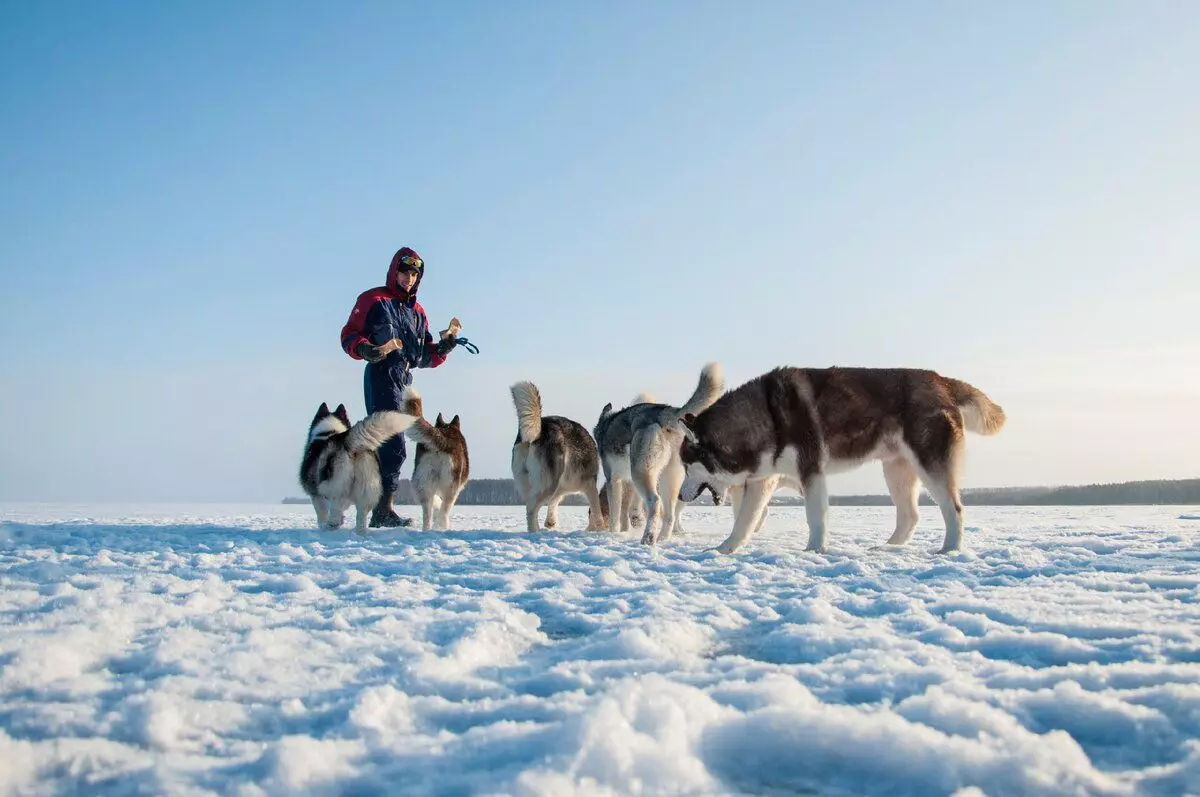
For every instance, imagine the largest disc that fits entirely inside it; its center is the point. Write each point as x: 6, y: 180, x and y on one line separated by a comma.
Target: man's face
x: 407, y: 278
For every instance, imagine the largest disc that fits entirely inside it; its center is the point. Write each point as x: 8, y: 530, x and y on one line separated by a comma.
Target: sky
x: 192, y: 195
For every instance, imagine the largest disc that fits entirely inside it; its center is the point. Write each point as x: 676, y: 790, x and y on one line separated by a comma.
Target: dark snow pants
x: 382, y: 388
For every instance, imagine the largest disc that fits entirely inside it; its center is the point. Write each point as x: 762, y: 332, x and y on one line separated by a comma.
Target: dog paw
x: 820, y: 549
x: 726, y: 548
x: 648, y: 539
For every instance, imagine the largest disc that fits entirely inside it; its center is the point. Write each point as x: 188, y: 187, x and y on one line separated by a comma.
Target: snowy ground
x: 234, y: 650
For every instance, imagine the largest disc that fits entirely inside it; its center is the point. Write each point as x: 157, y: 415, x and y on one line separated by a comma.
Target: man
x: 390, y: 331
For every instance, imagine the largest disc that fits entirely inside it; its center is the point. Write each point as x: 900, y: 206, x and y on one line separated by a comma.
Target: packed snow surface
x: 236, y: 650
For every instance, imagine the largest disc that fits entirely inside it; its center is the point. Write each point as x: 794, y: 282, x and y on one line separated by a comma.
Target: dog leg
x: 362, y: 511
x: 644, y: 484
x: 944, y: 490
x: 447, y: 505
x: 748, y: 516
x: 672, y: 480
x: 552, y: 512
x: 535, y: 503
x: 631, y: 510
x: 645, y: 481
x: 531, y: 513
x: 595, y: 518
x: 427, y: 512
x: 905, y: 489
x: 618, y: 521
x: 441, y: 520
x: 772, y: 484
x: 735, y: 498
x: 816, y: 506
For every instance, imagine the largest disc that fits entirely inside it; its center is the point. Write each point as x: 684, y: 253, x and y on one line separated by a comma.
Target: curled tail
x: 528, y: 402
x: 376, y: 429
x: 708, y: 390
x: 422, y: 431
x: 980, y: 414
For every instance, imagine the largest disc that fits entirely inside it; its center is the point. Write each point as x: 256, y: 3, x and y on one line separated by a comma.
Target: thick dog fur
x: 340, y: 466
x: 552, y: 457
x: 632, y: 508
x: 803, y: 423
x: 640, y: 444
x: 441, y: 464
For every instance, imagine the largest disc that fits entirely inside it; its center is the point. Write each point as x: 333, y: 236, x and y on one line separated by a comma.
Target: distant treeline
x: 502, y: 492
x: 1178, y: 491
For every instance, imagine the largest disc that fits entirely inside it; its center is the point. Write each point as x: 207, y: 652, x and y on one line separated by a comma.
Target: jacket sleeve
x: 354, y: 332
x: 429, y: 357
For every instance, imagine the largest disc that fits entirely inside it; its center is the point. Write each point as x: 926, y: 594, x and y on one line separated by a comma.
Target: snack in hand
x: 452, y: 330
x: 391, y: 346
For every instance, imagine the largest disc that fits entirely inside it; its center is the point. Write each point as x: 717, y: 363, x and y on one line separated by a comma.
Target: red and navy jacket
x: 387, y: 312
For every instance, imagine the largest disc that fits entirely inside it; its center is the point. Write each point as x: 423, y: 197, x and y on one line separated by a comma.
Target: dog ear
x: 341, y: 413
x: 454, y: 422
x: 689, y: 421
x: 440, y: 422
x: 689, y: 435
x: 323, y: 409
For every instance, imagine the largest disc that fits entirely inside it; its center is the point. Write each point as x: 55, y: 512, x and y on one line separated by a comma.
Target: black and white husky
x: 340, y: 467
x: 552, y: 457
x: 441, y: 464
x: 640, y: 444
x: 793, y: 426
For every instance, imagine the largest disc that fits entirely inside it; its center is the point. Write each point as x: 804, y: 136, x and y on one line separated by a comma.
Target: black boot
x: 384, y: 515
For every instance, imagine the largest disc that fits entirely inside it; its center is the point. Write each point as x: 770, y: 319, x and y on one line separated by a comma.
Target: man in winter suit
x: 391, y: 313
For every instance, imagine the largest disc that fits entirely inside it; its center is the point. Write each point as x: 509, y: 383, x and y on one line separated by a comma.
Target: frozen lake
x: 235, y: 650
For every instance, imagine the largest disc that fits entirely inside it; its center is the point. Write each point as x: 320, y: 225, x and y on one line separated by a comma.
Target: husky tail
x: 708, y: 390
x: 981, y: 415
x: 422, y: 431
x: 376, y: 429
x: 528, y: 402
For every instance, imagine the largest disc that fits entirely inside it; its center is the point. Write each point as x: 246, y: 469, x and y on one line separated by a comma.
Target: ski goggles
x: 410, y: 263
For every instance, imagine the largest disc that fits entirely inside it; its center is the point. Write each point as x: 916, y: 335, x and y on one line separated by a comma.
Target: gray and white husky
x: 340, y: 466
x: 441, y: 463
x: 632, y: 509
x: 640, y: 444
x: 795, y: 425
x: 552, y: 458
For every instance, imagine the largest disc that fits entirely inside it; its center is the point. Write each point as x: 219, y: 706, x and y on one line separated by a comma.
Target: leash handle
x: 468, y: 345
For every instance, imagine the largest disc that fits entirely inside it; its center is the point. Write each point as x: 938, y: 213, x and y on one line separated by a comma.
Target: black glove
x: 446, y: 345
x: 370, y: 353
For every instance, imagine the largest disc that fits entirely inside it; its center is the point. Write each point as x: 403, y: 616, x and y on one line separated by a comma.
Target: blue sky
x: 608, y: 195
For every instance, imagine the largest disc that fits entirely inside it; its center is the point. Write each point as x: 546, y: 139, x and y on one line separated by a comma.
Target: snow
x: 236, y: 650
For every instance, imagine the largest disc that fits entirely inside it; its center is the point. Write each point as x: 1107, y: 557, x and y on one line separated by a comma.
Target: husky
x: 552, y: 457
x: 441, y: 464
x: 640, y: 444
x: 340, y: 466
x: 804, y: 423
x: 632, y: 509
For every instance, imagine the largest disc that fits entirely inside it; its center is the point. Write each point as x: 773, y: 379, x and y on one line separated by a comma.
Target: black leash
x: 468, y: 345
